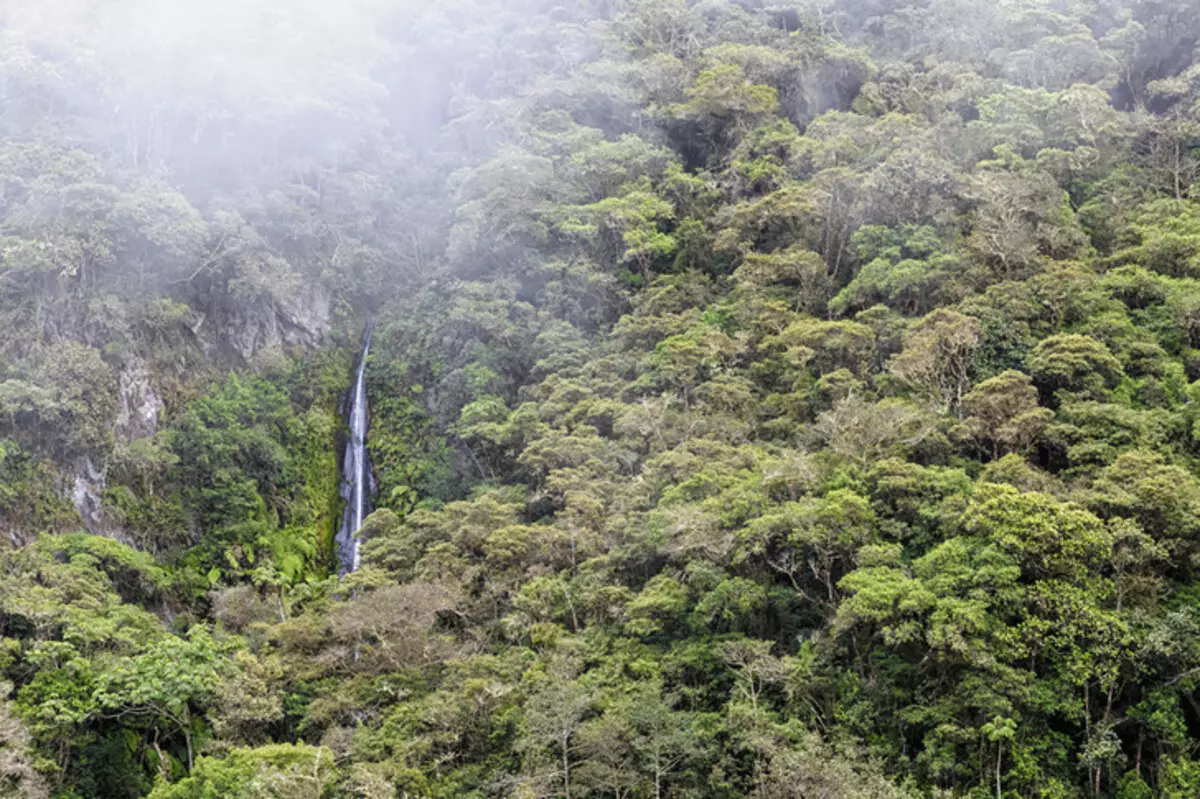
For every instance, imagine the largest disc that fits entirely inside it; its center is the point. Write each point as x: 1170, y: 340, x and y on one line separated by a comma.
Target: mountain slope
x: 774, y: 400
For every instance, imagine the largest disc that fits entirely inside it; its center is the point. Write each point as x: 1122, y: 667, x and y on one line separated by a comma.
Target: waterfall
x: 356, y: 470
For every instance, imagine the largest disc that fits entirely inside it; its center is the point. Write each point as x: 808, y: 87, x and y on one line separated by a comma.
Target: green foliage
x: 260, y: 479
x: 28, y: 501
x: 908, y: 269
x: 765, y: 400
x: 1075, y: 363
x: 62, y: 405
x: 408, y: 455
x: 278, y: 770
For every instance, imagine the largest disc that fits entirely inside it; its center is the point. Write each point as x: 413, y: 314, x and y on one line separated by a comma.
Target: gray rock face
x: 304, y: 320
x: 87, y: 491
x: 299, y: 319
x: 137, y: 415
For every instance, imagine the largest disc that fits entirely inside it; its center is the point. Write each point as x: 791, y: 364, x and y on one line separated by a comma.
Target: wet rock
x: 87, y: 492
x: 298, y: 319
x: 137, y: 413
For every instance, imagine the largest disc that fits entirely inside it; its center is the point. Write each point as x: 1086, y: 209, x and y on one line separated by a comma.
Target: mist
x: 608, y: 399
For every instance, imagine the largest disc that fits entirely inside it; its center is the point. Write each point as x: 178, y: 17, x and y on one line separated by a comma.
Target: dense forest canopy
x: 767, y: 399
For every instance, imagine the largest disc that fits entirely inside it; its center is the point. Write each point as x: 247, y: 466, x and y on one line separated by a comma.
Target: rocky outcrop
x: 140, y: 405
x: 137, y: 417
x: 87, y: 494
x: 298, y: 319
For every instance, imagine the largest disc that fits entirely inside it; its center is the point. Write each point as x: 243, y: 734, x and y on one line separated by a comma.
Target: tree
x: 1172, y: 147
x: 795, y: 274
x: 166, y: 684
x: 1020, y: 218
x: 391, y: 627
x: 554, y: 716
x: 640, y: 739
x: 1163, y: 498
x: 938, y: 356
x: 997, y: 731
x: 626, y: 227
x: 248, y: 700
x: 1004, y: 411
x: 1074, y: 363
x: 722, y: 106
x: 903, y: 267
x: 864, y: 432
x: 813, y: 538
x: 825, y: 346
x: 1049, y: 537
x: 64, y: 404
x: 18, y: 777
x: 277, y: 771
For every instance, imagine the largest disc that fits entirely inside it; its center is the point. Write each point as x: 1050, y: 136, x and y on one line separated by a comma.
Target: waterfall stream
x: 356, y: 470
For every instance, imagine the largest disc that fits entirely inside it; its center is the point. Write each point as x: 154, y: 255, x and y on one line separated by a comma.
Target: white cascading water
x: 356, y: 470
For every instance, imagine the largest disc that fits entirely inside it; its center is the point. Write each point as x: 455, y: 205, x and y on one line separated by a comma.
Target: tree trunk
x: 1178, y: 168
x: 566, y: 761
x: 187, y: 737
x: 999, y: 760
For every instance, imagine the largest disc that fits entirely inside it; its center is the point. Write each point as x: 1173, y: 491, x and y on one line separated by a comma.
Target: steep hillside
x: 780, y: 400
